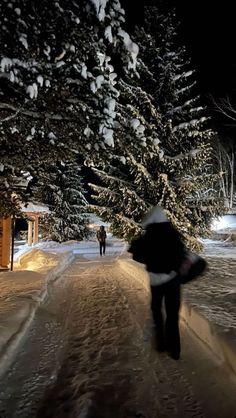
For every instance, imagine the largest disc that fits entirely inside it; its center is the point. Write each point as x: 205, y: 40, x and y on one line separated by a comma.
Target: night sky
x: 208, y: 30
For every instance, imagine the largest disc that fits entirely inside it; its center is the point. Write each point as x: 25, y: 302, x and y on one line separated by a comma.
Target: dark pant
x: 167, y: 331
x: 102, y: 247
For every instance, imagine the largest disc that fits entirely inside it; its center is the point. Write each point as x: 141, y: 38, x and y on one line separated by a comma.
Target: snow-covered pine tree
x: 186, y: 138
x: 130, y: 190
x: 58, y: 95
x: 62, y: 190
x: 177, y: 173
x: 33, y: 97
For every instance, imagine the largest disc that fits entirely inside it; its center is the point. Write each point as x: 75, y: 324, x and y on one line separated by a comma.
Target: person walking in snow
x: 162, y: 250
x: 165, y: 254
x: 101, y: 237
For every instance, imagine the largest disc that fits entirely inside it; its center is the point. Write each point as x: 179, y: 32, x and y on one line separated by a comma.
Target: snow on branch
x: 128, y: 221
x: 104, y: 175
x: 10, y: 117
x: 146, y: 98
x: 140, y: 168
x: 182, y: 156
x: 104, y: 212
x: 186, y: 89
x: 101, y: 189
x: 191, y: 123
x: 34, y: 115
x: 183, y: 75
x: 100, y: 6
x: 131, y: 47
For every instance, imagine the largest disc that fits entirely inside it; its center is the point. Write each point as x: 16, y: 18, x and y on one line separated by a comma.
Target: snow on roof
x: 35, y: 208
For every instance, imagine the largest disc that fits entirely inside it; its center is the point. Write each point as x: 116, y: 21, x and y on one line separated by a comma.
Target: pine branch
x: 183, y: 156
x: 102, y: 189
x: 35, y: 115
x: 105, y: 176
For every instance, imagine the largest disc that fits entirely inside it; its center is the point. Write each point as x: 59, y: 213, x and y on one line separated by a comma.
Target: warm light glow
x: 220, y: 223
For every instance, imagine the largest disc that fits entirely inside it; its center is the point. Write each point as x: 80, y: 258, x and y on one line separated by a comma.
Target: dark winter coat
x: 101, y: 235
x: 164, y: 249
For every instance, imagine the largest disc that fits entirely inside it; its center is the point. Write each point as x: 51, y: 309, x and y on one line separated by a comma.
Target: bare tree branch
x: 225, y: 107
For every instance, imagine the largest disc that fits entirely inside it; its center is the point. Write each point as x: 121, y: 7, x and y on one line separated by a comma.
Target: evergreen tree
x: 32, y: 82
x: 58, y: 85
x: 186, y: 137
x: 171, y: 165
x: 62, y: 190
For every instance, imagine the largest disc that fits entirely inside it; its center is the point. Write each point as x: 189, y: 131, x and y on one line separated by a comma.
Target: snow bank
x: 225, y: 248
x: 22, y: 292
x: 21, y: 250
x: 115, y: 246
x: 224, y: 228
x: 221, y: 341
x: 50, y: 264
x: 135, y: 270
x: 225, y: 223
x: 208, y: 307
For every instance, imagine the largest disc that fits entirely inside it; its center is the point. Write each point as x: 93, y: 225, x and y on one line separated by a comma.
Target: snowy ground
x: 96, y: 325
x: 219, y: 248
x: 87, y: 248
x: 22, y: 291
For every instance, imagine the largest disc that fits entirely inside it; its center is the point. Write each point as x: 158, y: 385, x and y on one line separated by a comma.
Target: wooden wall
x: 5, y: 242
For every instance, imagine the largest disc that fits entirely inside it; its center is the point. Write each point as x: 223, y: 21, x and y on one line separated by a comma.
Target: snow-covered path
x: 106, y: 361
x: 110, y: 368
x: 101, y: 335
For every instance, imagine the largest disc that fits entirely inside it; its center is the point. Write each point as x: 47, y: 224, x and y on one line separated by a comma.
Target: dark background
x: 208, y: 30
